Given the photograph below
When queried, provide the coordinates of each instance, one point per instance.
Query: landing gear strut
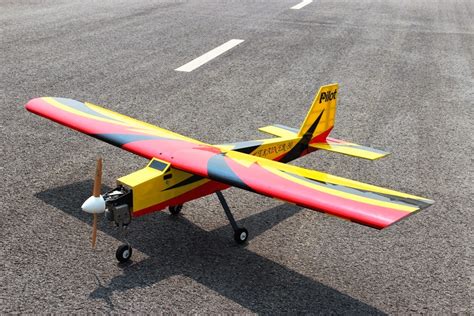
(175, 209)
(240, 233)
(124, 251)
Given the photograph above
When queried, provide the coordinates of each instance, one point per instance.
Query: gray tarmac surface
(406, 85)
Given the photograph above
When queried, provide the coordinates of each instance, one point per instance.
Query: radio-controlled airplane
(182, 169)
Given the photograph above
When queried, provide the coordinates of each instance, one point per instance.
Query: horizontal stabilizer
(279, 130)
(351, 149)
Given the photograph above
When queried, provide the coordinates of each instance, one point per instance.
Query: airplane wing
(109, 126)
(356, 201)
(362, 203)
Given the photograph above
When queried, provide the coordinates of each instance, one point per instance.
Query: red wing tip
(29, 106)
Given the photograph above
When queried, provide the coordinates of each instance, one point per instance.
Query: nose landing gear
(123, 253)
(119, 204)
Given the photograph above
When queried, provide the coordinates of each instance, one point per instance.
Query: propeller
(95, 204)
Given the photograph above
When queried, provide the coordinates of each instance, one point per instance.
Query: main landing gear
(175, 209)
(240, 233)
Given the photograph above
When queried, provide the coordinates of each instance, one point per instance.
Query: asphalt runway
(405, 73)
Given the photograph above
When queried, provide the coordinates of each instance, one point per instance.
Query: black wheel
(241, 235)
(175, 209)
(123, 253)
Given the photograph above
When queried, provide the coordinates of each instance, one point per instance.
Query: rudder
(320, 119)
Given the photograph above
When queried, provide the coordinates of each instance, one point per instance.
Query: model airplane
(182, 169)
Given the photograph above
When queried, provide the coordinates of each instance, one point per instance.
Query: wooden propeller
(96, 203)
(96, 193)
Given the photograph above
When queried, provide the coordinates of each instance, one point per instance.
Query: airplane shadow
(175, 246)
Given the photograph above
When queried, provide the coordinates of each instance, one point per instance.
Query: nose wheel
(123, 253)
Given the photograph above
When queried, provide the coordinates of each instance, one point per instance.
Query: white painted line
(301, 4)
(201, 60)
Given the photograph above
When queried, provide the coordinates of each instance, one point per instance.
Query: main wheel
(123, 253)
(241, 235)
(175, 209)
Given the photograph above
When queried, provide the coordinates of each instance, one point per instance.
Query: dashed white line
(301, 4)
(201, 60)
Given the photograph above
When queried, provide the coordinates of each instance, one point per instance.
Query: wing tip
(425, 203)
(374, 156)
(33, 103)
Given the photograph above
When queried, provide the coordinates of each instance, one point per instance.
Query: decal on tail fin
(313, 134)
(320, 119)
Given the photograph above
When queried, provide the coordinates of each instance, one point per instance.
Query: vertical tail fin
(320, 119)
